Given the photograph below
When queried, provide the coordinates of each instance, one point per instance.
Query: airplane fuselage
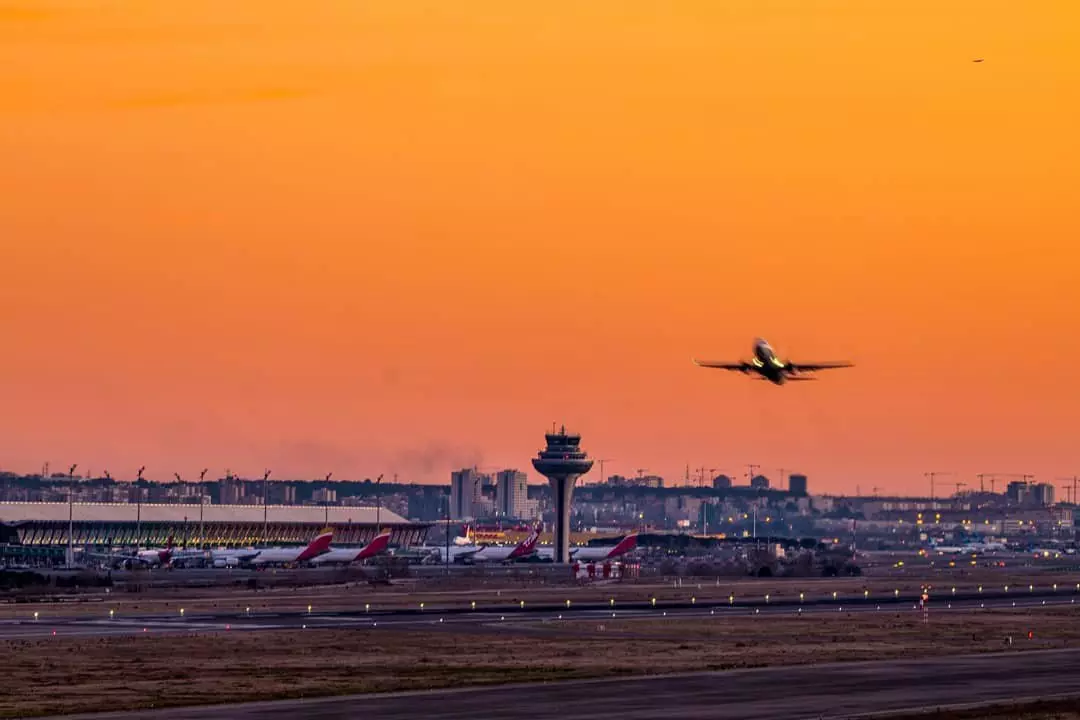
(767, 364)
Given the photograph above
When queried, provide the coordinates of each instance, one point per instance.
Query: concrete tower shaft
(562, 462)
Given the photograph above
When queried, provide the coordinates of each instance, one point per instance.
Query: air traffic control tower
(562, 462)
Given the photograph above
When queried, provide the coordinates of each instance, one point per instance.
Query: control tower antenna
(562, 462)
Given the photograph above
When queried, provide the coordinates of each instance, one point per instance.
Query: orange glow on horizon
(404, 236)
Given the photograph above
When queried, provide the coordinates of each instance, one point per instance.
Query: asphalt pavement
(836, 690)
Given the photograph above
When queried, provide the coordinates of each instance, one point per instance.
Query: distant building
(324, 496)
(797, 485)
(1042, 494)
(759, 482)
(282, 494)
(652, 481)
(229, 491)
(721, 482)
(466, 494)
(1017, 492)
(512, 496)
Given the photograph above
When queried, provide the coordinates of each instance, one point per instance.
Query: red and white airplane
(378, 545)
(276, 555)
(152, 558)
(594, 553)
(491, 553)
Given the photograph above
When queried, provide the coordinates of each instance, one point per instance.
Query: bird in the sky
(977, 60)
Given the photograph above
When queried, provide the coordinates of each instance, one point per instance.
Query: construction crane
(1072, 498)
(641, 472)
(1024, 477)
(704, 474)
(875, 490)
(602, 461)
(932, 476)
(958, 486)
(751, 469)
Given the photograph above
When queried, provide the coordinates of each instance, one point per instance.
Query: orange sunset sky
(399, 236)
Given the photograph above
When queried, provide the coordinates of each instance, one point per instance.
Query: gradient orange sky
(397, 236)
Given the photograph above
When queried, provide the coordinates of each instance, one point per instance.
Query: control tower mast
(562, 462)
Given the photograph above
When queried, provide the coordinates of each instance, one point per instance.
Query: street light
(138, 507)
(202, 503)
(266, 477)
(378, 506)
(71, 516)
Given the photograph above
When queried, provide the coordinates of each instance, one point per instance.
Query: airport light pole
(71, 516)
(138, 507)
(448, 535)
(202, 504)
(378, 506)
(326, 507)
(266, 485)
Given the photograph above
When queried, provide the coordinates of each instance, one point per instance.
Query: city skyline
(379, 238)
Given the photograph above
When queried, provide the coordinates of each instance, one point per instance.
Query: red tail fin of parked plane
(625, 545)
(526, 546)
(318, 546)
(378, 544)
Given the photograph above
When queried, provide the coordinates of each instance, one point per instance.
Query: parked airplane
(968, 547)
(595, 553)
(490, 553)
(377, 546)
(150, 558)
(275, 555)
(767, 366)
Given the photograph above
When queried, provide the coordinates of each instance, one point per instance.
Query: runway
(506, 618)
(838, 690)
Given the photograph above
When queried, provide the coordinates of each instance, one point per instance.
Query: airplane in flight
(377, 546)
(767, 366)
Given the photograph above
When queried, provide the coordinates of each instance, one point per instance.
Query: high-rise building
(1017, 492)
(282, 494)
(759, 482)
(797, 485)
(229, 491)
(1042, 494)
(466, 493)
(513, 494)
(324, 496)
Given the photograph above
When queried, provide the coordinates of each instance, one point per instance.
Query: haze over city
(396, 237)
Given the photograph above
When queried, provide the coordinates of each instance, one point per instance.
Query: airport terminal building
(42, 525)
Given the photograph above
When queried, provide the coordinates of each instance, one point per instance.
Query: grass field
(1046, 710)
(57, 675)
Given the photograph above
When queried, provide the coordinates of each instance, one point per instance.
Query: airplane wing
(814, 367)
(743, 367)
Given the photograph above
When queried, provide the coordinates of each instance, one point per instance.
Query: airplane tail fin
(526, 546)
(318, 546)
(625, 545)
(377, 545)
